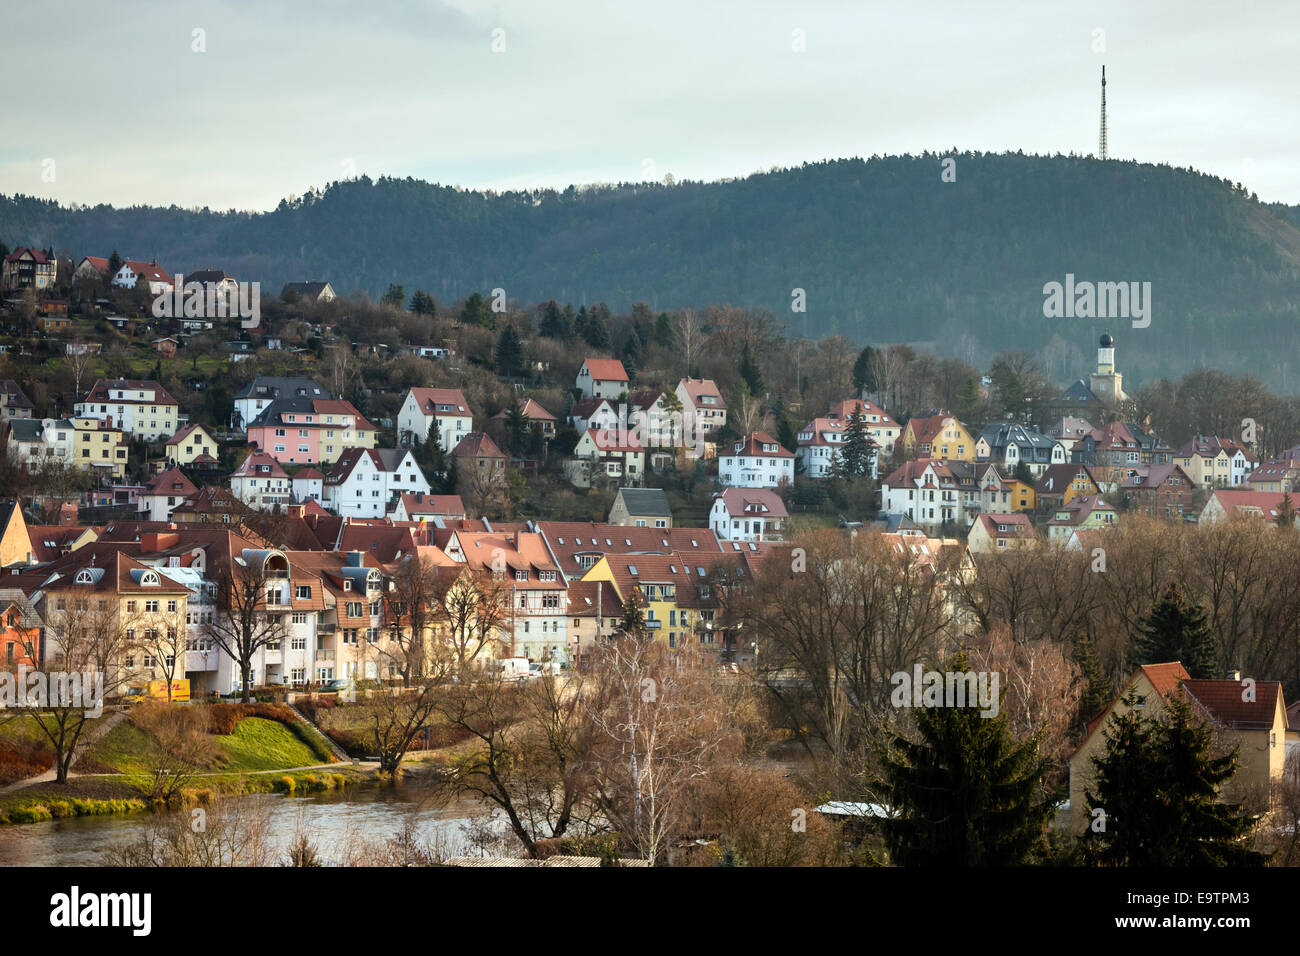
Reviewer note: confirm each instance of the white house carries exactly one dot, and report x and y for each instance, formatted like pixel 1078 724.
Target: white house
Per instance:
pixel 423 408
pixel 251 400
pixel 141 408
pixel 261 483
pixel 417 506
pixel 308 485
pixel 602 378
pixel 756 461
pixel 926 491
pixel 154 276
pixel 744 514
pixel 164 494
pixel 612 453
pixel 364 480
pixel 702 403
pixel 594 413
pixel 1011 444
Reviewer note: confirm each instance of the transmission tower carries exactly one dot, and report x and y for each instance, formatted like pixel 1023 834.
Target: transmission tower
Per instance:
pixel 1101 148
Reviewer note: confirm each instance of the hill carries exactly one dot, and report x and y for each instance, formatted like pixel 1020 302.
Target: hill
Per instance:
pixel 884 248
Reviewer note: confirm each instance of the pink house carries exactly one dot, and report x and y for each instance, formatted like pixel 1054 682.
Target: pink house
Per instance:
pixel 305 431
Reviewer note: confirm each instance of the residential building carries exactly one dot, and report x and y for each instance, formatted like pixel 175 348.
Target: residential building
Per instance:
pixel 606 454
pixel 148 275
pixel 423 409
pixel 1079 514
pixel 14 403
pixel 594 611
pixel 926 491
pixel 141 408
pixel 1256 725
pixel 1163 491
pixel 703 407
pixel 594 413
pixel 91 269
pixel 756 461
pixel 939 435
pixel 310 292
pixel 745 514
pixel 435 509
pixel 1059 484
pixel 641 508
pixel 602 378
pixel 310 431
pixel 261 483
pixel 20 631
pixel 1214 462
pixel 26 268
pixel 251 400
pixel 533 413
pixel 364 481
pixel 192 445
pixel 1069 431
pixel 1000 532
pixel 1224 504
pixel 1012 444
pixel 883 430
pixel 163 494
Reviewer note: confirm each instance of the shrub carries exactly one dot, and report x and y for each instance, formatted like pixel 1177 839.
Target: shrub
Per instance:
pixel 32 813
pixel 224 718
pixel 286 784
pixel 20 759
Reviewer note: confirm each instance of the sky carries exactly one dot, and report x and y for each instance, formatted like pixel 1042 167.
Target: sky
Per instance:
pixel 241 103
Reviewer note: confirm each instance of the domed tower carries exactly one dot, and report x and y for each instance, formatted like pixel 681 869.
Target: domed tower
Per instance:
pixel 1107 384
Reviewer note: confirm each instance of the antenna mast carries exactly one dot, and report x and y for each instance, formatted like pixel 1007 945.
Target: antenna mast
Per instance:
pixel 1101 146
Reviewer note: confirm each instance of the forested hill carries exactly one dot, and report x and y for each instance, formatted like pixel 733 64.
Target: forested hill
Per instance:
pixel 885 250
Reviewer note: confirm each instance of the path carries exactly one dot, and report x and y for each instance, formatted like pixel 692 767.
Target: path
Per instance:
pixel 97 730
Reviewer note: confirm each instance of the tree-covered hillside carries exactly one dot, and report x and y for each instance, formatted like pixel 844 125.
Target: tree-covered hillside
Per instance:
pixel 885 250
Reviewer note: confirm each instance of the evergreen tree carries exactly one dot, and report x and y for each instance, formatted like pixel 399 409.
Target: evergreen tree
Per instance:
pixel 965 793
pixel 510 353
pixel 1022 473
pixel 1097 691
pixel 553 324
pixel 1155 796
pixel 114 264
pixel 596 331
pixel 1177 630
pixel 664 331
pixel 632 623
pixel 580 325
pixel 476 311
pixel 422 303
pixel 395 296
pixel 431 457
pixel 786 435
pixel 856 454
pixel 750 373
pixel 1286 512
pixel 863 378
pixel 968 400
pixel 518 428
pixel 633 354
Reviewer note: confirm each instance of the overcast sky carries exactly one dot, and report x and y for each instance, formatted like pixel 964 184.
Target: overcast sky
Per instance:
pixel 289 96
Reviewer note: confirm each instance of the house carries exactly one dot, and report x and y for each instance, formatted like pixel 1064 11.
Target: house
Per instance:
pixel 308 484
pixel 926 491
pixel 744 514
pixel 26 268
pixel 703 407
pixel 53 323
pixel 594 413
pixel 193 444
pixel 435 509
pixel 364 480
pixel 141 408
pixel 99 447
pixel 1163 491
pixel 425 408
pixel 163 494
pixel 1000 532
pixel 1083 513
pixel 641 508
pixel 1224 504
pixel 578 545
pixel 1275 475
pixel 91 269
pixel 1103 391
pixel 883 430
pixel 1111 449
pixel 1012 444
pixel 312 292
pixel 534 413
pixel 215 282
pixel 606 453
pixel 1214 462
pixel 602 378
pixel 1256 726
pixel 756 461
pixel 260 482
pixel 14 402
pixel 148 275
pixel 1069 431
pixel 594 613
pixel 818 447
pixel 166 346
pixel 82 441
pixel 251 400
pixel 666 588
pixel 303 430
pixel 939 435
pixel 1059 484
pixel 21 630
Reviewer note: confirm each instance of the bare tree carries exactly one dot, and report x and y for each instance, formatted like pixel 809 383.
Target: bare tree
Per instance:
pixel 476 610
pixel 243 623
pixel 688 336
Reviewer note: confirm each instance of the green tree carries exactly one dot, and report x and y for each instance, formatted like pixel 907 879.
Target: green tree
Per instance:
pixel 394 297
pixel 633 353
pixel 964 792
pixel 864 380
pixel 1097 687
pixel 854 458
pixel 554 324
pixel 510 353
pixel 1176 630
pixel 114 264
pixel 1155 796
pixel 749 371
pixel 664 331
pixel 422 303
pixel 477 312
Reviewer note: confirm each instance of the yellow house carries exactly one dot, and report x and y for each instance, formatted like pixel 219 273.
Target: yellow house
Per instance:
pixel 192 443
pixel 1022 494
pixel 1258 727
pixel 656 579
pixel 1061 484
pixel 938 436
pixel 98 446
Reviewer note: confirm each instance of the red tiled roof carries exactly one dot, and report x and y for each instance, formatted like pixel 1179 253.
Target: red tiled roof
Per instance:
pixel 606 370
pixel 753 501
pixel 751 446
pixel 428 398
pixel 696 387
pixel 477 445
pixel 149 271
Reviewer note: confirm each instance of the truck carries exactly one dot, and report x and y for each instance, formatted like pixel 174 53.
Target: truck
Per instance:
pixel 513 668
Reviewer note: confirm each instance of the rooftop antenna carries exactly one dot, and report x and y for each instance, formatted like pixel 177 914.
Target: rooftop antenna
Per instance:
pixel 1101 147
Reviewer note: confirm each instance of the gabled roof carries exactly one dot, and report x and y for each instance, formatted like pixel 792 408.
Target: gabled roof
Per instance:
pixel 752 446
pixel 651 502
pixel 99 391
pixel 697 388
pixel 912 473
pixel 606 370
pixel 615 440
pixel 185 432
pixel 845 410
pixel 21 252
pixel 171 482
pixel 1080 393
pixel 13 395
pixel 477 445
pixel 453 399
pixel 1056 479
pixel 1240 501
pixel 568 540
pixel 251 467
pixel 98 263
pixel 1152 476
pixel 586 597
pixel 752 503
pixel 1016 523
pixel 1070 427
pixel 531 411
pixel 149 271
pixel 1212 445
pixel 274 386
pixel 584 408
pixel 208 276
pixel 418 503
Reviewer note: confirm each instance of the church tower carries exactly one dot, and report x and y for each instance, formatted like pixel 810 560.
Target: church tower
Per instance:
pixel 1107 384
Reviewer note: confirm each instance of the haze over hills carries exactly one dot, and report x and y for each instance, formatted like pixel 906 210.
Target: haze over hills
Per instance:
pixel 885 250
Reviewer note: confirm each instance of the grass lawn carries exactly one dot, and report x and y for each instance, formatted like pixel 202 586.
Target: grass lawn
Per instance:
pixel 121 750
pixel 261 744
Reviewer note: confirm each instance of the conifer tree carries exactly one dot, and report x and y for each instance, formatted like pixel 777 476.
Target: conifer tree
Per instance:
pixel 863 378
pixel 855 456
pixel 964 792
pixel 1097 691
pixel 510 353
pixel 1155 796
pixel 1177 630
pixel 749 371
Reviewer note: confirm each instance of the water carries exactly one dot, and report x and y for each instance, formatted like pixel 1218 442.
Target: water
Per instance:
pixel 331 820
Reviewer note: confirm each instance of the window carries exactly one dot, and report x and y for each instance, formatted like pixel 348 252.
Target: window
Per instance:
pixel 303 591
pixel 171 607
pixel 151 607
pixel 298 643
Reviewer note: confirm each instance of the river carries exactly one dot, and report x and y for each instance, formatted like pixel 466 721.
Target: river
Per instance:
pixel 332 820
